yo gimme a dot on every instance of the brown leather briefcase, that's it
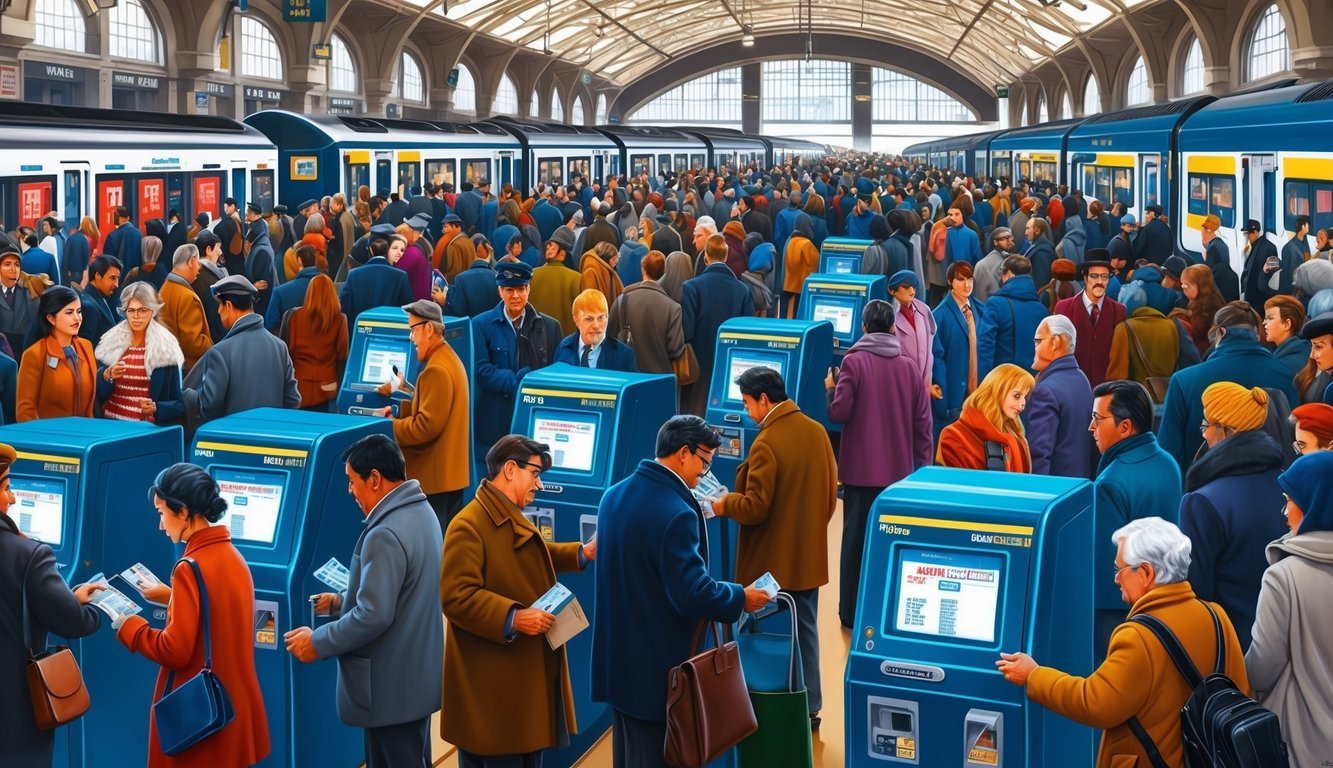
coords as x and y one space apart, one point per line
708 704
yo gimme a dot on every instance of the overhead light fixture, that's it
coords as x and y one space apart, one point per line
747 36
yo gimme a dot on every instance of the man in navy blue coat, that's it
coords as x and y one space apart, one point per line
1010 317
473 291
377 283
468 208
125 242
653 587
1057 412
706 302
291 294
100 299
589 346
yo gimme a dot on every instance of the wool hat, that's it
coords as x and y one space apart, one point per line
562 237
734 229
1211 221
1231 405
904 277
1175 266
1316 418
1064 269
1128 219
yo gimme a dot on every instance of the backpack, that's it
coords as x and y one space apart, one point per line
1220 726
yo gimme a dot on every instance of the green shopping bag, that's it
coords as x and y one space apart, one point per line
772 665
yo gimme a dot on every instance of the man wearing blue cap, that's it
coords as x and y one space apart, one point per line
914 325
377 283
510 340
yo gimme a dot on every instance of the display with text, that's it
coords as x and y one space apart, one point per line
39 508
573 440
836 312
742 360
948 594
382 356
254 500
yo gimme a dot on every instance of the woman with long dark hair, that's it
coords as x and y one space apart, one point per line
58 373
1196 282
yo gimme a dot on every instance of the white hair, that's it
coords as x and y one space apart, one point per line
1059 325
183 255
144 292
705 224
1156 541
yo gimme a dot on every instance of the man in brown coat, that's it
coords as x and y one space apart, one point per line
182 311
432 428
455 252
786 491
507 695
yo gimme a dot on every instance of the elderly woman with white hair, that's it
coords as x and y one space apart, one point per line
1137 683
139 363
1057 412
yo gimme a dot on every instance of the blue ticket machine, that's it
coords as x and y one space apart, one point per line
80 485
959 566
379 344
599 425
839 299
842 255
281 473
799 350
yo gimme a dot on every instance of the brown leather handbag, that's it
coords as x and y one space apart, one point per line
708 704
686 367
55 684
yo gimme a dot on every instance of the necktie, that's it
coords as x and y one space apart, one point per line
971 348
1096 313
72 358
587 350
9 297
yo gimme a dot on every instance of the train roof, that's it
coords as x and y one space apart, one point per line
1036 136
650 136
543 134
726 138
1140 128
1244 122
964 143
26 124
290 129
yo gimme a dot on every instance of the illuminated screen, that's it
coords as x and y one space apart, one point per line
837 312
39 508
741 360
842 266
254 500
381 356
948 594
572 437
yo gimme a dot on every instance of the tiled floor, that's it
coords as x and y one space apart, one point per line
834 642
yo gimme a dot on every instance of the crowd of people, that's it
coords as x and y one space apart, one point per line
1028 329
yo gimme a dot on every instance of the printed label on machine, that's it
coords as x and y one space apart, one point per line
732 441
948 594
894 725
266 624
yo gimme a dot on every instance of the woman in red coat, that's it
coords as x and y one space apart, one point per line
990 415
188 502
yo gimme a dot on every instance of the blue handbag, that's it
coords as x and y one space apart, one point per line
772 661
200 707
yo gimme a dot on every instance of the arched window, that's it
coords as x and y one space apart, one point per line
576 112
601 109
1191 74
260 56
465 93
506 96
901 98
1043 114
714 98
1066 109
342 69
1136 90
557 108
1092 97
817 91
411 86
133 33
1269 52
60 25
535 105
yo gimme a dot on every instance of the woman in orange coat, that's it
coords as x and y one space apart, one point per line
188 503
315 235
58 373
990 416
316 334
800 261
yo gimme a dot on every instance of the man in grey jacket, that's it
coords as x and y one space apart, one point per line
389 635
648 320
986 275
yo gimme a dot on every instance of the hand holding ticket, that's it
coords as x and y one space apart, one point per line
706 492
767 583
113 602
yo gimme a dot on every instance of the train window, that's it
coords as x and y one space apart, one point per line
1024 170
1212 193
477 170
73 207
640 164
261 187
383 175
356 175
682 161
1045 171
697 162
550 170
409 176
1307 197
581 166
663 163
441 171
1122 182
1151 182
32 197
1002 168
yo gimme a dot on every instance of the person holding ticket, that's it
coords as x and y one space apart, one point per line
507 694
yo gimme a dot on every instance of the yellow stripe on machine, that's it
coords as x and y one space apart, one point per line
1115 161
958 525
837 287
1316 168
359 157
762 337
568 393
1220 164
258 450
381 324
48 457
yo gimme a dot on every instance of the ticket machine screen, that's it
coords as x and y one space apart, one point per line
948 594
741 360
381 357
839 312
571 436
841 265
39 508
254 499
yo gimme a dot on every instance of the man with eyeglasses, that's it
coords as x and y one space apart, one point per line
507 694
1094 315
1135 479
432 428
653 583
987 271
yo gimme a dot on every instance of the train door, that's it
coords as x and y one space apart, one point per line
356 172
507 168
383 173
1260 171
74 200
1150 181
238 187
176 196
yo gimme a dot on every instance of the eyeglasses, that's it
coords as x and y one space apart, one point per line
1099 276
1203 427
413 326
707 462
536 470
139 311
1097 417
1119 569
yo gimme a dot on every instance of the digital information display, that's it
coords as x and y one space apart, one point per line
39 508
836 312
381 356
254 500
742 360
948 594
573 440
843 266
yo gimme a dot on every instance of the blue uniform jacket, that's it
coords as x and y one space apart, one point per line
951 355
1057 418
961 244
496 371
468 208
388 639
289 295
648 536
1009 323
1135 479
613 356
374 284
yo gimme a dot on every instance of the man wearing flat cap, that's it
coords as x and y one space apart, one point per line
260 263
509 340
432 427
248 368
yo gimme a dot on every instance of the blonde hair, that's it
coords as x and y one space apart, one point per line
590 302
989 396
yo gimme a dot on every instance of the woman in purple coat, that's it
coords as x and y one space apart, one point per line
881 401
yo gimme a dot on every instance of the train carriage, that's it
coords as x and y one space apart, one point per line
552 152
653 150
1035 153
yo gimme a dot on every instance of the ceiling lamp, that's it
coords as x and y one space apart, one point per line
747 36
